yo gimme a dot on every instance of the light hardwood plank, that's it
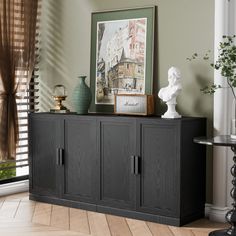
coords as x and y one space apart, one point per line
206 225
25 211
79 221
159 229
2 199
178 231
60 217
46 233
26 199
138 227
98 224
9 208
200 233
18 226
118 226
18 196
42 213
31 229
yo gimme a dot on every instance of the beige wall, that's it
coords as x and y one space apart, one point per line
184 26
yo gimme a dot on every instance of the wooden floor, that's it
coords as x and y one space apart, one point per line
21 217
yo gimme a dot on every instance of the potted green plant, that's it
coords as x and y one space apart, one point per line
226 64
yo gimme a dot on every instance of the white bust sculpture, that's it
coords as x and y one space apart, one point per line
168 94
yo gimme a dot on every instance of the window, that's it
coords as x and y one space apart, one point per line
19 169
11 170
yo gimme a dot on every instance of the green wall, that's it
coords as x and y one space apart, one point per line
183 27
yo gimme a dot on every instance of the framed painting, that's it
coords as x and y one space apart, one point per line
122 46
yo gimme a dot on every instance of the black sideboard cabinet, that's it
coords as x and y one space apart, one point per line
140 167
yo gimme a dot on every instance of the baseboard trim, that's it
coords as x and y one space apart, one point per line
207 209
214 213
16 187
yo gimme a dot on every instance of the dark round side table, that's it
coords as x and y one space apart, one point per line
225 140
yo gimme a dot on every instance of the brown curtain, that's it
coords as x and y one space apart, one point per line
17 48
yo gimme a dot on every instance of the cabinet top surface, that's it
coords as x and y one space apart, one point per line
114 116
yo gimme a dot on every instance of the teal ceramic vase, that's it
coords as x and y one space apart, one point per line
82 96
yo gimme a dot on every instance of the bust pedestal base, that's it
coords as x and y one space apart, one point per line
171 112
171 115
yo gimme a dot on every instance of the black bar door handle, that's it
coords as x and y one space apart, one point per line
132 166
136 165
59 156
61 151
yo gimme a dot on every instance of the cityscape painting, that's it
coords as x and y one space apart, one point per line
122 55
120 58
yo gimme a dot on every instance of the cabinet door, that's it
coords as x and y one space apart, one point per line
117 145
159 178
45 139
81 180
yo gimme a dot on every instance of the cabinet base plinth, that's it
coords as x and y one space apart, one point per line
161 219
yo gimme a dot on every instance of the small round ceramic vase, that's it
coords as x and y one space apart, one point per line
82 96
